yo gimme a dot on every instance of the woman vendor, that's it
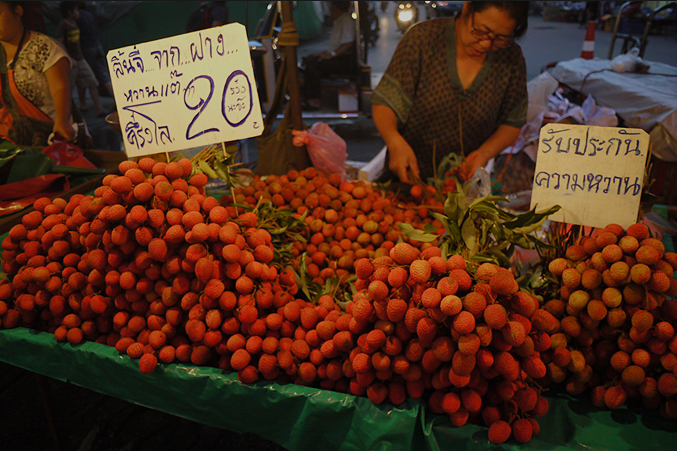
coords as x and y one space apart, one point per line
454 85
35 82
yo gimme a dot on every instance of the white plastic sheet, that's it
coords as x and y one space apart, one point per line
546 100
642 100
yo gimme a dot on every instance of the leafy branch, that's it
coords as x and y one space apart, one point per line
340 289
285 228
481 231
216 161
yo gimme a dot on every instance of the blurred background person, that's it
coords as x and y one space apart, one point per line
82 75
35 82
92 49
213 14
339 59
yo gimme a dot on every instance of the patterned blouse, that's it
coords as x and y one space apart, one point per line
37 55
422 87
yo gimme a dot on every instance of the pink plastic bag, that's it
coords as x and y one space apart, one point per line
326 149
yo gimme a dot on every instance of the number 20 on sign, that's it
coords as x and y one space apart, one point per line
186 91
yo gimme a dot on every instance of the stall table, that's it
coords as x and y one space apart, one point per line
299 417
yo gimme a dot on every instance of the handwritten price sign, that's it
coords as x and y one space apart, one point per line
185 91
594 173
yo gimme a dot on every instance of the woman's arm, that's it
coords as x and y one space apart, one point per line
401 154
503 137
58 80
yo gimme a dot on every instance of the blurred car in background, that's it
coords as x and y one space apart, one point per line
442 9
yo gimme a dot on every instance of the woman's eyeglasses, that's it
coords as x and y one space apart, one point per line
497 40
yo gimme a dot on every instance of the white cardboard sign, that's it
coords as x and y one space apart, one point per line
594 173
185 91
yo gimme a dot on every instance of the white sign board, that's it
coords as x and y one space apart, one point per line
185 91
594 173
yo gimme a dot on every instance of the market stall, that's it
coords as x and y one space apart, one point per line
320 312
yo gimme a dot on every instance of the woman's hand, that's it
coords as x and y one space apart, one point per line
503 137
64 129
473 161
58 81
402 158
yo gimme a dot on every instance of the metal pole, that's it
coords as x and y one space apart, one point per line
358 38
292 70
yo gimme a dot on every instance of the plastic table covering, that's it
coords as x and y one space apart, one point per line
298 417
644 100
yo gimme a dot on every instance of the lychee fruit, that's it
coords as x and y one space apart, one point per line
420 271
499 432
503 284
495 316
404 253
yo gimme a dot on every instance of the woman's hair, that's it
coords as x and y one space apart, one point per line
519 11
67 7
14 5
343 6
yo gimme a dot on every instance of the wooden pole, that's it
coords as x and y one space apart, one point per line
292 70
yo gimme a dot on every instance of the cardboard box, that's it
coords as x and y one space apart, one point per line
348 101
375 168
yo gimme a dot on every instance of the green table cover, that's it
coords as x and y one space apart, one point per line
298 417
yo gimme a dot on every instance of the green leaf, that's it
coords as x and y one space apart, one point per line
278 230
416 234
527 229
207 169
503 259
523 242
531 217
219 154
483 258
455 233
451 208
222 170
487 199
429 228
486 226
538 243
445 250
488 208
443 219
301 278
469 234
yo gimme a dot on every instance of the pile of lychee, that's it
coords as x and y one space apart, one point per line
617 312
346 220
151 265
148 264
471 343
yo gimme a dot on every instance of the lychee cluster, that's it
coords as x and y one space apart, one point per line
472 342
618 313
147 264
345 221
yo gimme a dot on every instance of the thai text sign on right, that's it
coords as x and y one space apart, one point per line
594 173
